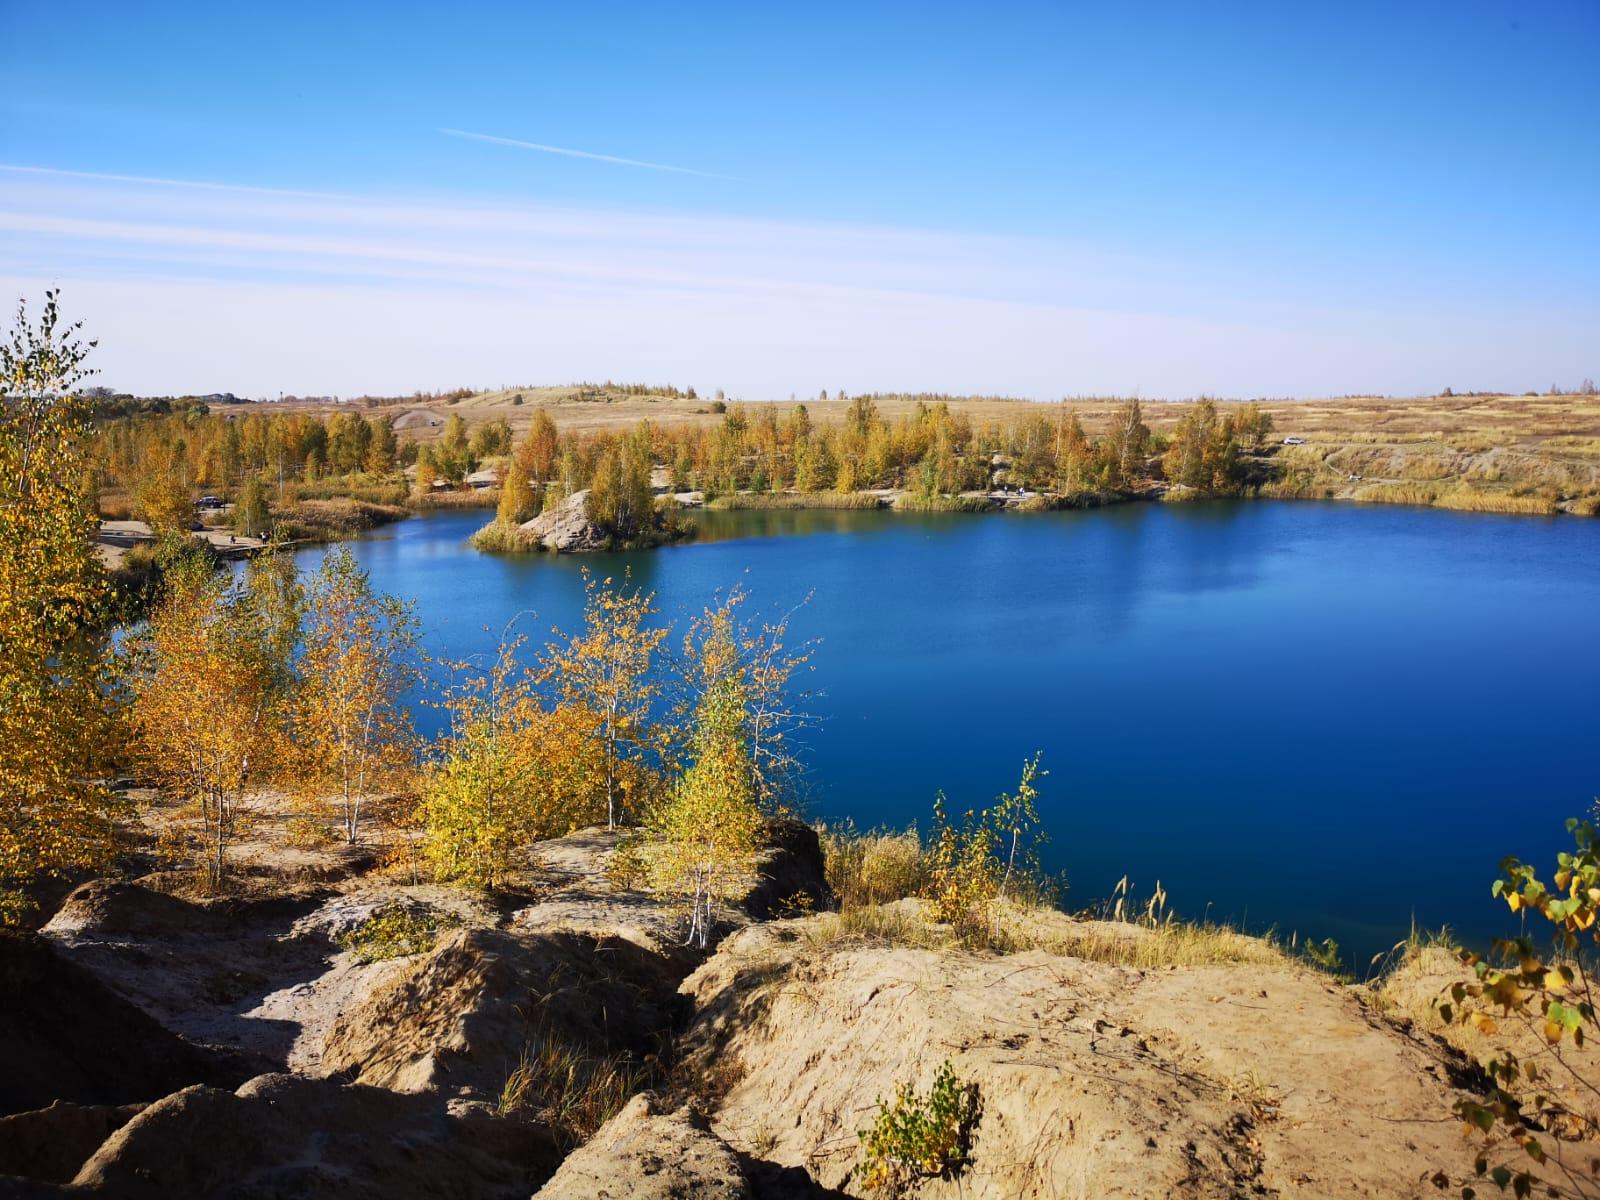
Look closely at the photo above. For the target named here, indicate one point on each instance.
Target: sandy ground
(116, 538)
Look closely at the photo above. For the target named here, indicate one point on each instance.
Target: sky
(1040, 200)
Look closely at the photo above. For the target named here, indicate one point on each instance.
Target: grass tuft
(567, 1089)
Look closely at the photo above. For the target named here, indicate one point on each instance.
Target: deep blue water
(1327, 718)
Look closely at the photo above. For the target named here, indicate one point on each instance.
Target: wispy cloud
(588, 154)
(205, 286)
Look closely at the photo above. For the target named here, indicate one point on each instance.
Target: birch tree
(353, 733)
(208, 687)
(55, 813)
(607, 668)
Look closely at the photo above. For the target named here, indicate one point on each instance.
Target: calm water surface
(1326, 718)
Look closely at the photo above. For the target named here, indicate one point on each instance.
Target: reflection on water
(1320, 717)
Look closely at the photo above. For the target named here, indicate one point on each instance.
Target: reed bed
(906, 502)
(1469, 500)
(467, 498)
(786, 500)
(498, 537)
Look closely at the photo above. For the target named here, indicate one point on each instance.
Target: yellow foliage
(353, 736)
(705, 835)
(605, 669)
(208, 678)
(55, 816)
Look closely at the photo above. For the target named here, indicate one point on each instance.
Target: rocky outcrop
(643, 1155)
(564, 529)
(1093, 1079)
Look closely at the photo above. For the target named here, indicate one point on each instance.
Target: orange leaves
(208, 679)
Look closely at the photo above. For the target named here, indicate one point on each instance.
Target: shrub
(1551, 994)
(396, 931)
(986, 856)
(920, 1137)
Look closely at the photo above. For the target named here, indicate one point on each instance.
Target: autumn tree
(491, 439)
(250, 515)
(473, 812)
(1203, 451)
(427, 473)
(209, 681)
(606, 667)
(704, 836)
(1127, 443)
(381, 451)
(540, 452)
(452, 457)
(517, 503)
(352, 732)
(621, 502)
(757, 659)
(1253, 425)
(55, 813)
(164, 498)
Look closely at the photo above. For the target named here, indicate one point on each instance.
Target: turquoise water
(1326, 718)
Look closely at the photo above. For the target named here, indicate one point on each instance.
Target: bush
(985, 856)
(920, 1137)
(396, 931)
(1550, 993)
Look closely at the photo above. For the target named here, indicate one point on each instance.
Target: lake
(1324, 718)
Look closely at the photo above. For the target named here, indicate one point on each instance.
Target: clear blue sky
(1243, 198)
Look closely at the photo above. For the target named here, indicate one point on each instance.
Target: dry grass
(1468, 500)
(872, 868)
(460, 498)
(1585, 506)
(1014, 930)
(499, 538)
(317, 520)
(785, 500)
(896, 924)
(391, 491)
(1174, 944)
(568, 1090)
(1397, 493)
(1459, 499)
(906, 502)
